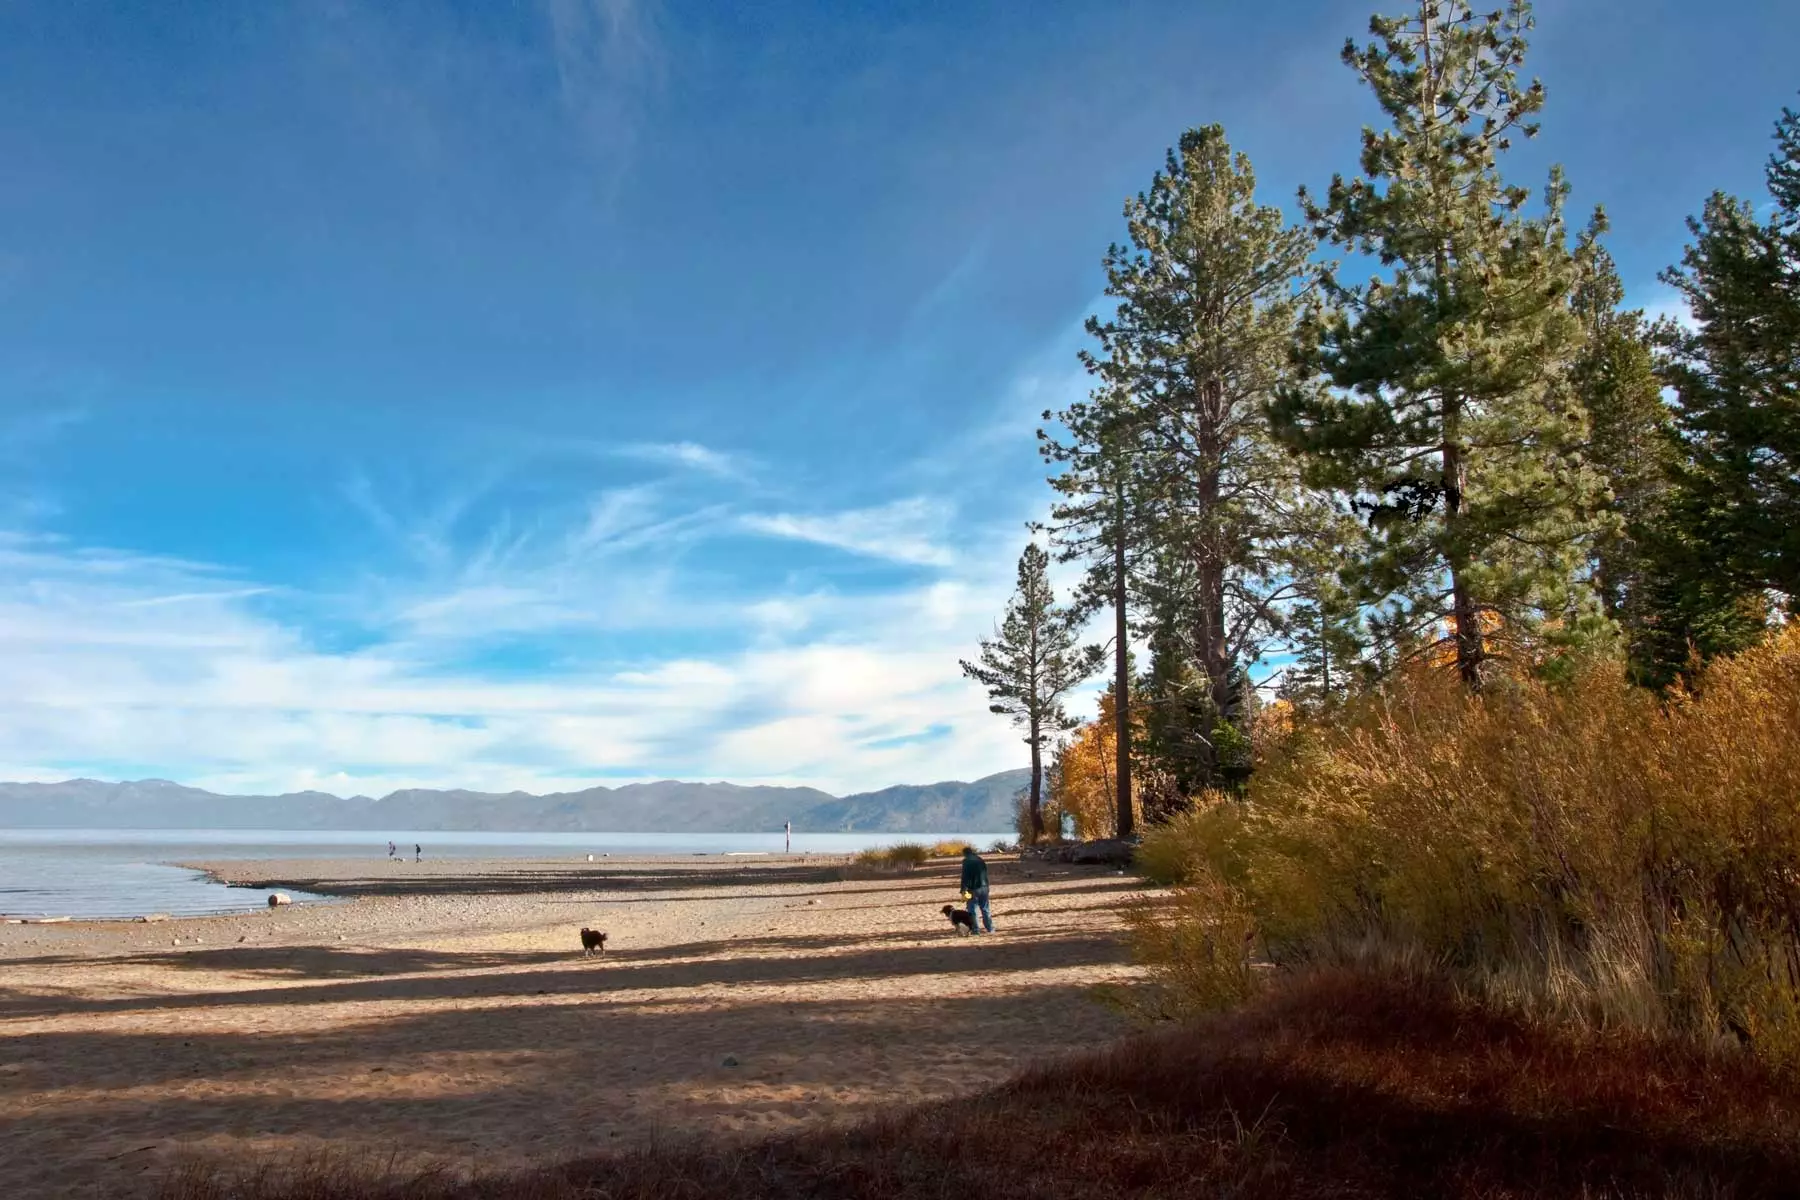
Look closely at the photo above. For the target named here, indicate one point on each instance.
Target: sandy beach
(443, 1012)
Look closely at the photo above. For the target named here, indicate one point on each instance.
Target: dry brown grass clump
(1581, 849)
(1339, 1085)
(903, 856)
(952, 848)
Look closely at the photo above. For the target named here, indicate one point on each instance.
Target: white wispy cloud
(95, 671)
(655, 647)
(211, 597)
(688, 455)
(617, 515)
(906, 531)
(610, 63)
(426, 533)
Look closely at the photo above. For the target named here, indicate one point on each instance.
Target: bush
(949, 849)
(1198, 946)
(1175, 849)
(903, 856)
(1053, 818)
(1580, 847)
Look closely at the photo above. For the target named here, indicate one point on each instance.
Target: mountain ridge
(660, 806)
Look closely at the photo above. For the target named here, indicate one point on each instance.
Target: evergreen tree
(1207, 293)
(1736, 377)
(1092, 520)
(1686, 613)
(1179, 717)
(1030, 663)
(1323, 631)
(1615, 378)
(1440, 397)
(1651, 568)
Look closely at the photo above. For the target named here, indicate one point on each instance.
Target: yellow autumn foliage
(1583, 847)
(1085, 782)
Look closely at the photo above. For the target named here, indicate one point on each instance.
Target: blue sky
(551, 392)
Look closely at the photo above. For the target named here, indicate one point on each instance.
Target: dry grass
(904, 856)
(1190, 844)
(1051, 811)
(949, 849)
(1338, 1085)
(1199, 945)
(1580, 850)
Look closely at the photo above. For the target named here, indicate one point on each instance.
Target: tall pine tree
(1651, 563)
(1441, 399)
(1031, 662)
(1323, 628)
(1615, 378)
(1736, 377)
(1092, 520)
(1207, 297)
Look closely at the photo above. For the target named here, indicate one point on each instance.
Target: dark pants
(979, 898)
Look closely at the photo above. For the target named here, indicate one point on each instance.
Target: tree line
(1473, 455)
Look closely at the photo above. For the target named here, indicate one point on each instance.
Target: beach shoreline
(443, 1012)
(577, 872)
(339, 878)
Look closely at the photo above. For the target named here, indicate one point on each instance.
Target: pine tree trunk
(1463, 612)
(1209, 641)
(1462, 605)
(1324, 659)
(1037, 784)
(1125, 819)
(1110, 782)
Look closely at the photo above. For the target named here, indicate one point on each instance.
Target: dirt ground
(443, 1012)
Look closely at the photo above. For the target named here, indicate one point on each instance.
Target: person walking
(390, 850)
(418, 852)
(787, 837)
(975, 888)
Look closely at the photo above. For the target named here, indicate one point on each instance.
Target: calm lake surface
(92, 873)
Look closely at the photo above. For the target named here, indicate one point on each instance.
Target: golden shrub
(1198, 946)
(903, 855)
(1084, 783)
(1584, 847)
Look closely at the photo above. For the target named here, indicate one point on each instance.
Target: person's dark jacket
(974, 873)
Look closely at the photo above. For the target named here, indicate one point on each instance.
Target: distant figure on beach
(787, 837)
(975, 888)
(391, 850)
(418, 853)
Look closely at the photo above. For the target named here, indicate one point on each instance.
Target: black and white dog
(960, 920)
(592, 941)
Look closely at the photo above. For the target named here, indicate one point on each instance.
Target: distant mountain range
(667, 806)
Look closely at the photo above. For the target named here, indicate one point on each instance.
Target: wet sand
(443, 1012)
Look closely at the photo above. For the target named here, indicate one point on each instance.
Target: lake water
(89, 873)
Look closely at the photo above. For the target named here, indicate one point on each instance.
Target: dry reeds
(903, 856)
(1585, 848)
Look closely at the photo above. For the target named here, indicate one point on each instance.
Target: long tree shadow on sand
(372, 975)
(1313, 1097)
(505, 1057)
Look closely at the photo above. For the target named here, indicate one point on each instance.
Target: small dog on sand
(959, 920)
(592, 941)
